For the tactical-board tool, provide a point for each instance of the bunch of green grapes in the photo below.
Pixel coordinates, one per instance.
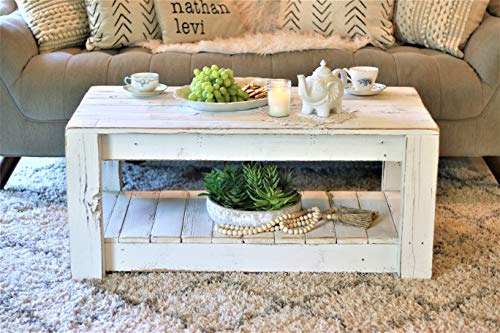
(215, 84)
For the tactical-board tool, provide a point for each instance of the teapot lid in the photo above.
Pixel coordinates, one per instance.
(322, 71)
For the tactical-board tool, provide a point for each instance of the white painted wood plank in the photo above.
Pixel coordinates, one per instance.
(186, 146)
(111, 176)
(419, 204)
(391, 176)
(140, 217)
(324, 232)
(394, 202)
(83, 172)
(108, 204)
(263, 238)
(197, 227)
(379, 113)
(169, 216)
(348, 234)
(113, 228)
(252, 257)
(382, 230)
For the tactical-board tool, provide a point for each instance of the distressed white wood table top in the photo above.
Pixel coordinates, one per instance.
(105, 109)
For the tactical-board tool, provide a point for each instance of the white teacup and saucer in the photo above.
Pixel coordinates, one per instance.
(363, 81)
(143, 85)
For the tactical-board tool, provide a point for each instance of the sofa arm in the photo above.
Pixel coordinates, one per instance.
(482, 51)
(17, 47)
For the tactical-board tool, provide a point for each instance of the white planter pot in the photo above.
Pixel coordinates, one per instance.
(223, 215)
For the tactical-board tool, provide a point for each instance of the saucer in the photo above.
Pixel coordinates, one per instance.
(376, 89)
(130, 92)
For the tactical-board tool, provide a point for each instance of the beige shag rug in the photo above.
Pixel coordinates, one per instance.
(260, 43)
(38, 295)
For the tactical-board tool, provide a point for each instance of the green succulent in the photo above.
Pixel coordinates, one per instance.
(251, 187)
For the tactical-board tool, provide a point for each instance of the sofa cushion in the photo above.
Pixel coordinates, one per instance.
(7, 7)
(494, 7)
(53, 84)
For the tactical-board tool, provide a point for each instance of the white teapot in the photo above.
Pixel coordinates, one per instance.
(322, 91)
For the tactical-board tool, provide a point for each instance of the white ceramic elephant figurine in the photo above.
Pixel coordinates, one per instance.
(321, 92)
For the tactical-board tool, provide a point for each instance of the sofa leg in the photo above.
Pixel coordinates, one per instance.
(7, 166)
(493, 163)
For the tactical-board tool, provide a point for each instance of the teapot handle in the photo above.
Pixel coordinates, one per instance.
(343, 74)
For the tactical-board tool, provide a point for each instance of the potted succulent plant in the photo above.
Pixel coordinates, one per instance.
(250, 194)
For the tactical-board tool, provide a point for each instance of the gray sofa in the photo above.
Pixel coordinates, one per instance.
(39, 92)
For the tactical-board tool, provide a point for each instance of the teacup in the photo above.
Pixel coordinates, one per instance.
(362, 77)
(143, 81)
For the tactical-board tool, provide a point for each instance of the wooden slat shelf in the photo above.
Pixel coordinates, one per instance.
(181, 217)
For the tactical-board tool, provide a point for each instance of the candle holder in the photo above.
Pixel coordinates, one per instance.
(279, 93)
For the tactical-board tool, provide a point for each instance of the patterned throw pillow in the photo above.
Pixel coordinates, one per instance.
(120, 23)
(56, 24)
(439, 24)
(185, 21)
(347, 18)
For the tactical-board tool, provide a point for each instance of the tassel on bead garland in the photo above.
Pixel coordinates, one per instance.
(304, 221)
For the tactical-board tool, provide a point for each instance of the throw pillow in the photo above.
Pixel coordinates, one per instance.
(438, 24)
(184, 21)
(120, 23)
(56, 24)
(347, 18)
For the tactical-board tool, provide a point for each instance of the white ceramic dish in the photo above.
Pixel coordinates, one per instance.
(183, 92)
(376, 89)
(130, 92)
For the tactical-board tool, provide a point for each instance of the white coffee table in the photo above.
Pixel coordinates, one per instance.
(112, 230)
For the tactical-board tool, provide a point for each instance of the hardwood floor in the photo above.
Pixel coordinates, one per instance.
(7, 166)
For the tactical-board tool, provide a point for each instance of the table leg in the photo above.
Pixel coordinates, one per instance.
(419, 203)
(391, 176)
(111, 176)
(83, 172)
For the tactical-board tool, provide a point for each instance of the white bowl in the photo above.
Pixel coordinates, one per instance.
(223, 215)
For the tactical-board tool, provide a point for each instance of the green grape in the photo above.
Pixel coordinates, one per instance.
(207, 71)
(198, 87)
(219, 82)
(204, 94)
(227, 83)
(216, 86)
(217, 94)
(239, 92)
(234, 99)
(201, 77)
(224, 76)
(209, 89)
(214, 68)
(223, 90)
(231, 91)
(240, 99)
(196, 72)
(210, 95)
(230, 72)
(205, 84)
(199, 93)
(245, 96)
(215, 74)
(192, 96)
(220, 99)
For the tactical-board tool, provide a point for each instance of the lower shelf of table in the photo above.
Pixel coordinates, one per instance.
(171, 230)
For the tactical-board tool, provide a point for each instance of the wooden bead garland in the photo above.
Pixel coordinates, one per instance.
(293, 224)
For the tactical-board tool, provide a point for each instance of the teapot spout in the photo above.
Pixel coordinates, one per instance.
(303, 92)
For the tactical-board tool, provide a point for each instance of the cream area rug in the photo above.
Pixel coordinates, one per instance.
(261, 43)
(38, 295)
